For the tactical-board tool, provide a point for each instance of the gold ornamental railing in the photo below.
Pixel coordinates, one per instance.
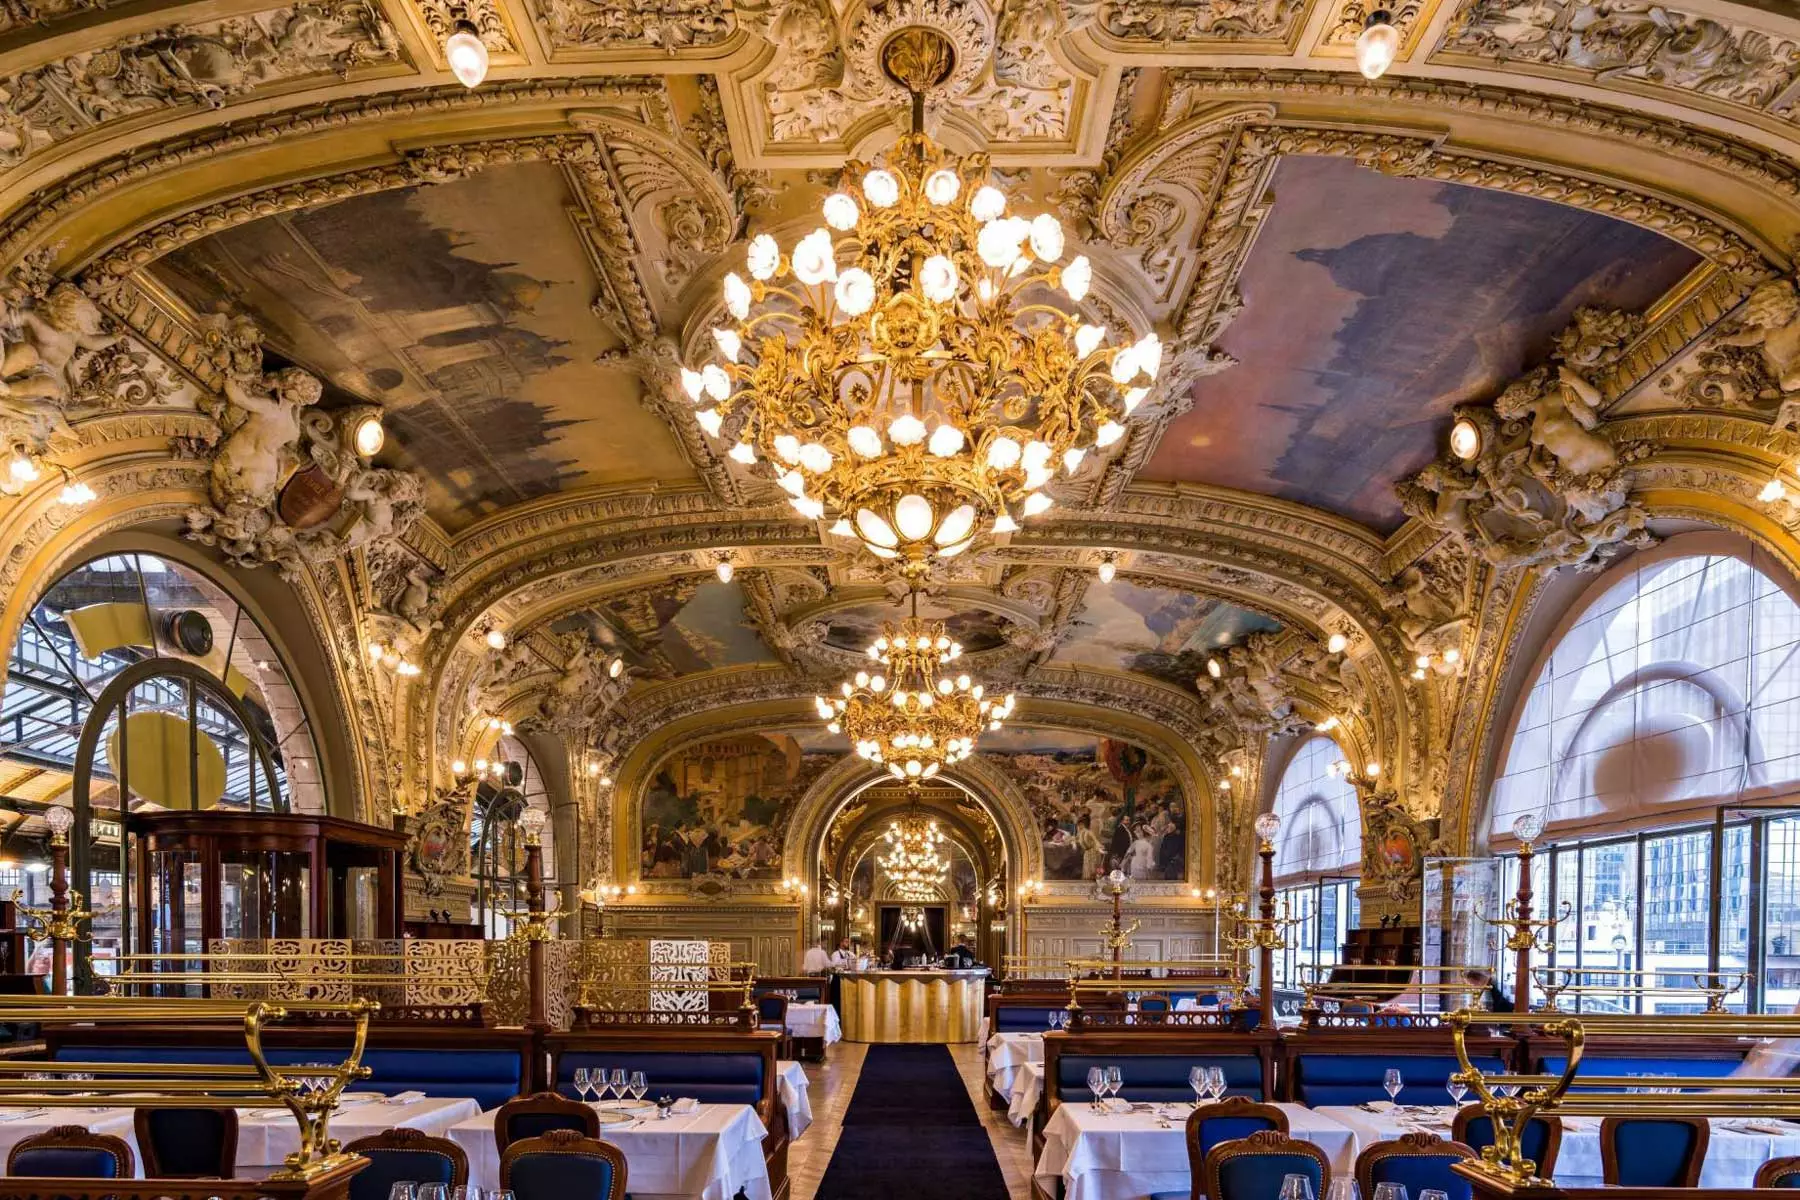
(1364, 995)
(1100, 991)
(310, 1092)
(1512, 1100)
(1715, 988)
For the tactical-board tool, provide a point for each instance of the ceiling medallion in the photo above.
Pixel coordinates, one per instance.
(913, 371)
(907, 715)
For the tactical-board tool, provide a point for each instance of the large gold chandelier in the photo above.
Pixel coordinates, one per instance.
(903, 712)
(916, 861)
(913, 370)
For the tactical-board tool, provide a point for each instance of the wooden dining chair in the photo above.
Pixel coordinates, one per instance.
(1779, 1173)
(1222, 1121)
(187, 1143)
(535, 1115)
(1252, 1168)
(71, 1152)
(1416, 1161)
(405, 1156)
(1541, 1141)
(563, 1165)
(1650, 1151)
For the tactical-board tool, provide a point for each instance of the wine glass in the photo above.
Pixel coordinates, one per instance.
(463, 1191)
(1215, 1082)
(1342, 1188)
(500, 1194)
(1390, 1191)
(1433, 1194)
(583, 1081)
(401, 1191)
(638, 1085)
(1296, 1187)
(617, 1081)
(1115, 1079)
(1391, 1084)
(1199, 1078)
(1457, 1089)
(1096, 1081)
(433, 1191)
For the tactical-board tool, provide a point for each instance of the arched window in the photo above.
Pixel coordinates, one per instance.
(1318, 854)
(496, 846)
(1672, 695)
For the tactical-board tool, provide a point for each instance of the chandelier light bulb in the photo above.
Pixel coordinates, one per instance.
(1035, 503)
(1772, 492)
(864, 441)
(841, 212)
(841, 528)
(729, 343)
(1377, 45)
(988, 203)
(763, 257)
(737, 296)
(1003, 453)
(1005, 524)
(946, 441)
(880, 188)
(913, 517)
(1077, 277)
(724, 570)
(875, 531)
(1108, 433)
(743, 452)
(76, 494)
(496, 639)
(693, 383)
(711, 420)
(1107, 570)
(1336, 643)
(1072, 459)
(1036, 455)
(937, 279)
(815, 258)
(999, 241)
(715, 382)
(1037, 477)
(941, 186)
(1134, 397)
(815, 458)
(1088, 339)
(907, 430)
(1046, 237)
(791, 482)
(1149, 352)
(957, 526)
(855, 291)
(466, 55)
(787, 447)
(808, 507)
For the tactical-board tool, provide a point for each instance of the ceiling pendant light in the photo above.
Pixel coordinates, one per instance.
(1377, 45)
(918, 280)
(465, 53)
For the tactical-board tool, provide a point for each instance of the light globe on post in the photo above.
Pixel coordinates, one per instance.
(531, 823)
(60, 820)
(1527, 827)
(1267, 826)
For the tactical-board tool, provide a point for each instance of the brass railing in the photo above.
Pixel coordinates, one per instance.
(1512, 1100)
(1101, 977)
(309, 1092)
(1328, 989)
(1715, 987)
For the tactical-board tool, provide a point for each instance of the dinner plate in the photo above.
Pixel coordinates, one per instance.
(611, 1116)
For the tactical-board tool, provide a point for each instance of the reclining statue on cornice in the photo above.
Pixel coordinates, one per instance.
(1752, 361)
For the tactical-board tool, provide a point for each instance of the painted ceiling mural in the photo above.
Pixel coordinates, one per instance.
(721, 807)
(1162, 632)
(1372, 305)
(853, 629)
(677, 627)
(464, 309)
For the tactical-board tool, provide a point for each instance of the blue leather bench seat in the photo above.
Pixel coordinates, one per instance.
(1604, 1064)
(1158, 1076)
(1019, 1019)
(722, 1078)
(1338, 1079)
(489, 1077)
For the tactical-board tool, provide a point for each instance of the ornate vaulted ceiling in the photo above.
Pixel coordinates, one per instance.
(514, 273)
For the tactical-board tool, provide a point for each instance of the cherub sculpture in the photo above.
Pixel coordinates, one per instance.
(263, 418)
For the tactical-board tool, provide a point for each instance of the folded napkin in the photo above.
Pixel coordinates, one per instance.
(1116, 1105)
(684, 1106)
(1376, 1106)
(405, 1097)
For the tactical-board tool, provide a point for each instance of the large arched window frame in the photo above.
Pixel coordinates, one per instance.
(1318, 855)
(1659, 739)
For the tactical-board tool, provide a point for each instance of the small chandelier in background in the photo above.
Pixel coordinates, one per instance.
(903, 712)
(927, 388)
(916, 860)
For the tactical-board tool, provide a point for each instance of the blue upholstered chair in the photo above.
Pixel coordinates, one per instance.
(1222, 1121)
(1253, 1167)
(187, 1143)
(771, 1013)
(563, 1165)
(71, 1152)
(1154, 1002)
(405, 1156)
(1653, 1151)
(1416, 1161)
(1540, 1143)
(534, 1116)
(1779, 1173)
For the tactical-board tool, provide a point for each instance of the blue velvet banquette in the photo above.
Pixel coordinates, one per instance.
(1155, 1066)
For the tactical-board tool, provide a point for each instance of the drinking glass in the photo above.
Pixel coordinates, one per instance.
(583, 1081)
(617, 1080)
(1342, 1188)
(1115, 1079)
(463, 1191)
(1391, 1084)
(1096, 1084)
(1457, 1089)
(638, 1085)
(1199, 1079)
(1215, 1082)
(500, 1194)
(1433, 1194)
(1390, 1191)
(1296, 1187)
(433, 1191)
(401, 1191)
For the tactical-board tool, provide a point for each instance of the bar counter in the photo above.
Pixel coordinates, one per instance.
(913, 1006)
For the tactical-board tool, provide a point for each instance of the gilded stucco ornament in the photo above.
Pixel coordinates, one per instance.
(1541, 485)
(1751, 362)
(584, 691)
(666, 25)
(1200, 20)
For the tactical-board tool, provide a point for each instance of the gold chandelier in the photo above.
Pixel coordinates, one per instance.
(904, 713)
(917, 860)
(912, 370)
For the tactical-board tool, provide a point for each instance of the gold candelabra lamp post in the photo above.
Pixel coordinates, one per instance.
(1030, 892)
(600, 894)
(532, 924)
(1525, 933)
(796, 887)
(1266, 932)
(1115, 933)
(61, 922)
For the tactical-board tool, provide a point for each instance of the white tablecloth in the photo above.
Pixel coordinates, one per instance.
(1006, 1053)
(18, 1122)
(1027, 1085)
(1128, 1157)
(791, 1084)
(1732, 1155)
(814, 1021)
(267, 1136)
(707, 1155)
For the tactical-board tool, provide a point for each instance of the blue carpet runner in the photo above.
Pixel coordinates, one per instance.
(911, 1133)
